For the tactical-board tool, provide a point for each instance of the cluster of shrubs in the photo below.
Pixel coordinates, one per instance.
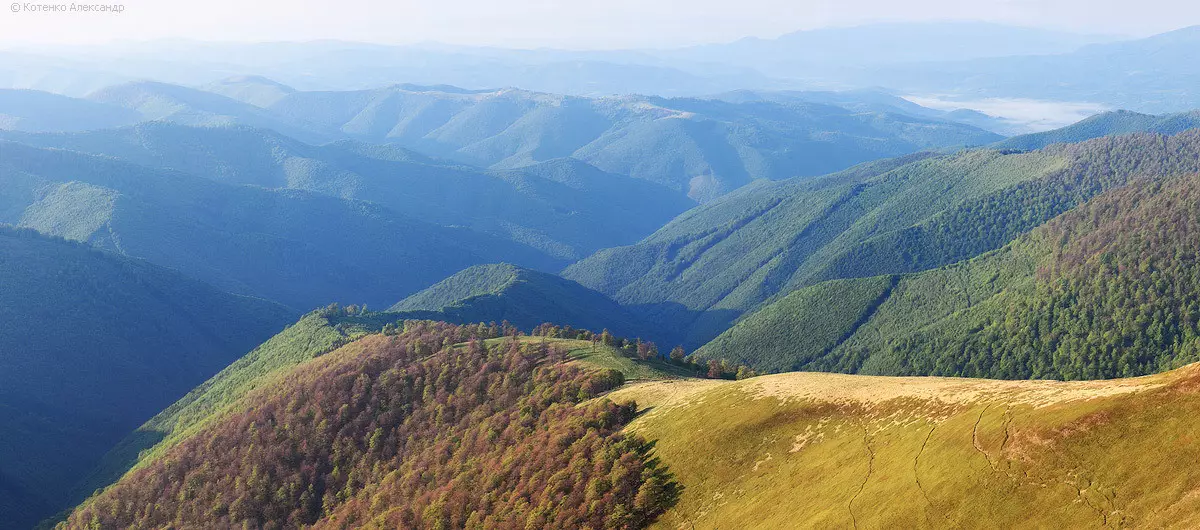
(646, 351)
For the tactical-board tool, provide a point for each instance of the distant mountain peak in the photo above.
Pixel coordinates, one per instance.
(255, 80)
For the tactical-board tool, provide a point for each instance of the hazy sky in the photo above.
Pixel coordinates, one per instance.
(560, 23)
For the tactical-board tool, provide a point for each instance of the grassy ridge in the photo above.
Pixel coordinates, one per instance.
(837, 451)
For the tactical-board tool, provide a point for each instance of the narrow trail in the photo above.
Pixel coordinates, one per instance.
(917, 474)
(975, 437)
(870, 470)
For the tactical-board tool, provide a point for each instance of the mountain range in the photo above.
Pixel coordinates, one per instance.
(298, 248)
(341, 285)
(1144, 75)
(699, 148)
(563, 207)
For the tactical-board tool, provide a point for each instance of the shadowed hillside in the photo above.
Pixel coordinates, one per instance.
(92, 345)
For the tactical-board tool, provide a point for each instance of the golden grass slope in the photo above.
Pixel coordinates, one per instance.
(808, 450)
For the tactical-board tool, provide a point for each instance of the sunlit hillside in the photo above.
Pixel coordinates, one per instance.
(808, 450)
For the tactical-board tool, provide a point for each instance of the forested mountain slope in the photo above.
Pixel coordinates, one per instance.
(298, 248)
(700, 147)
(1106, 124)
(35, 111)
(716, 262)
(523, 297)
(401, 430)
(562, 207)
(92, 344)
(313, 336)
(805, 450)
(1105, 290)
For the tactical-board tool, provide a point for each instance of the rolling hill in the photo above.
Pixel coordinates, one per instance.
(298, 248)
(804, 450)
(562, 207)
(717, 262)
(523, 297)
(314, 335)
(400, 429)
(92, 345)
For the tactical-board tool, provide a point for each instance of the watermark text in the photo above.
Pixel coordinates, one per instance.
(38, 7)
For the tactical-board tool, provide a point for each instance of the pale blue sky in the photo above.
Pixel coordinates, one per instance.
(563, 23)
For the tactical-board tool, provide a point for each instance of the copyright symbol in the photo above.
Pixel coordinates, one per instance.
(15, 7)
